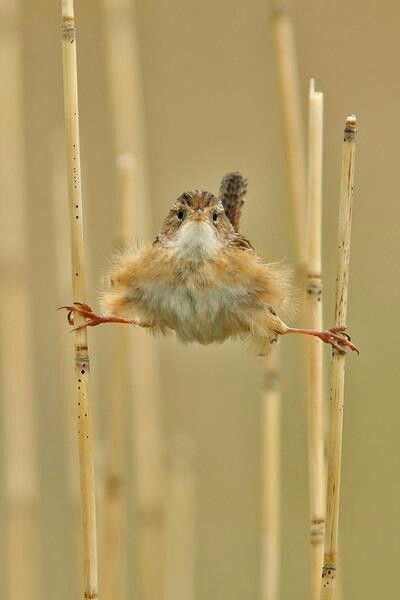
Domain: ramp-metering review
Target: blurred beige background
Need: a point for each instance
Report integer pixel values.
(211, 105)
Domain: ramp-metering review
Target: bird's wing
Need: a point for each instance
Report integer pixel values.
(232, 191)
(242, 243)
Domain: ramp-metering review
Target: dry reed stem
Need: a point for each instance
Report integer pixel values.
(20, 571)
(295, 153)
(66, 386)
(126, 108)
(63, 289)
(148, 474)
(112, 550)
(292, 119)
(271, 479)
(314, 346)
(129, 140)
(329, 571)
(180, 523)
(82, 365)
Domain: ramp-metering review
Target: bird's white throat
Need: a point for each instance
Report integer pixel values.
(195, 240)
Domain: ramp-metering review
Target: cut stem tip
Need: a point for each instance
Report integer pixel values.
(350, 130)
(278, 8)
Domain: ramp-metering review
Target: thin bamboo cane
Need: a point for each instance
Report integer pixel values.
(180, 523)
(66, 386)
(295, 153)
(82, 365)
(112, 552)
(292, 120)
(127, 110)
(329, 571)
(271, 479)
(129, 138)
(20, 571)
(149, 478)
(314, 346)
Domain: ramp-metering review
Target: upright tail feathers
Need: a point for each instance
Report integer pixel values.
(232, 193)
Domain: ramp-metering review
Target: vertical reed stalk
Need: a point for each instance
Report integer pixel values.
(292, 119)
(271, 458)
(20, 571)
(180, 523)
(329, 571)
(63, 287)
(66, 386)
(111, 555)
(314, 346)
(127, 111)
(294, 149)
(82, 366)
(112, 539)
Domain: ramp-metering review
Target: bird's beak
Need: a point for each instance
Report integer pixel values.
(198, 215)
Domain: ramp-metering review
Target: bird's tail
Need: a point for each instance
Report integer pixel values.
(232, 193)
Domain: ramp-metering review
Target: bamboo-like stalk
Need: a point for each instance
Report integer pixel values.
(295, 153)
(82, 365)
(329, 571)
(112, 551)
(126, 104)
(292, 120)
(314, 346)
(180, 523)
(20, 571)
(127, 111)
(66, 386)
(271, 479)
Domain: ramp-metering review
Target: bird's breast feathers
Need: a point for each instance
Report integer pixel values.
(191, 293)
(193, 285)
(195, 241)
(195, 304)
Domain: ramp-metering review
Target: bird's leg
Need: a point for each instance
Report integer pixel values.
(335, 336)
(92, 319)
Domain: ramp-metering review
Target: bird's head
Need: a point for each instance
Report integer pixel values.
(196, 227)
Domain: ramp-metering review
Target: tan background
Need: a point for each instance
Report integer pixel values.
(211, 105)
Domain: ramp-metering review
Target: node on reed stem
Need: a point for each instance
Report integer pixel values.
(82, 365)
(329, 571)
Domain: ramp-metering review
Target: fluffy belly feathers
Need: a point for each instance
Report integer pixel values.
(203, 299)
(196, 314)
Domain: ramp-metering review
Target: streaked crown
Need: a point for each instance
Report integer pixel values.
(198, 199)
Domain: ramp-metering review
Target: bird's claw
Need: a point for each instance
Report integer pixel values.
(91, 319)
(338, 339)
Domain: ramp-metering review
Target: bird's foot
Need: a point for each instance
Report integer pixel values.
(337, 338)
(91, 318)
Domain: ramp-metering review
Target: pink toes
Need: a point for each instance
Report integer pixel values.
(92, 319)
(337, 338)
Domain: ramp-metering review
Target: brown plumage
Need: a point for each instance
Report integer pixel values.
(232, 193)
(201, 278)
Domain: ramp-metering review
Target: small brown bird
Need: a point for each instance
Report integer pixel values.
(202, 279)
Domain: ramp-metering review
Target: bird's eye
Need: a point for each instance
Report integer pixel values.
(215, 217)
(180, 214)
